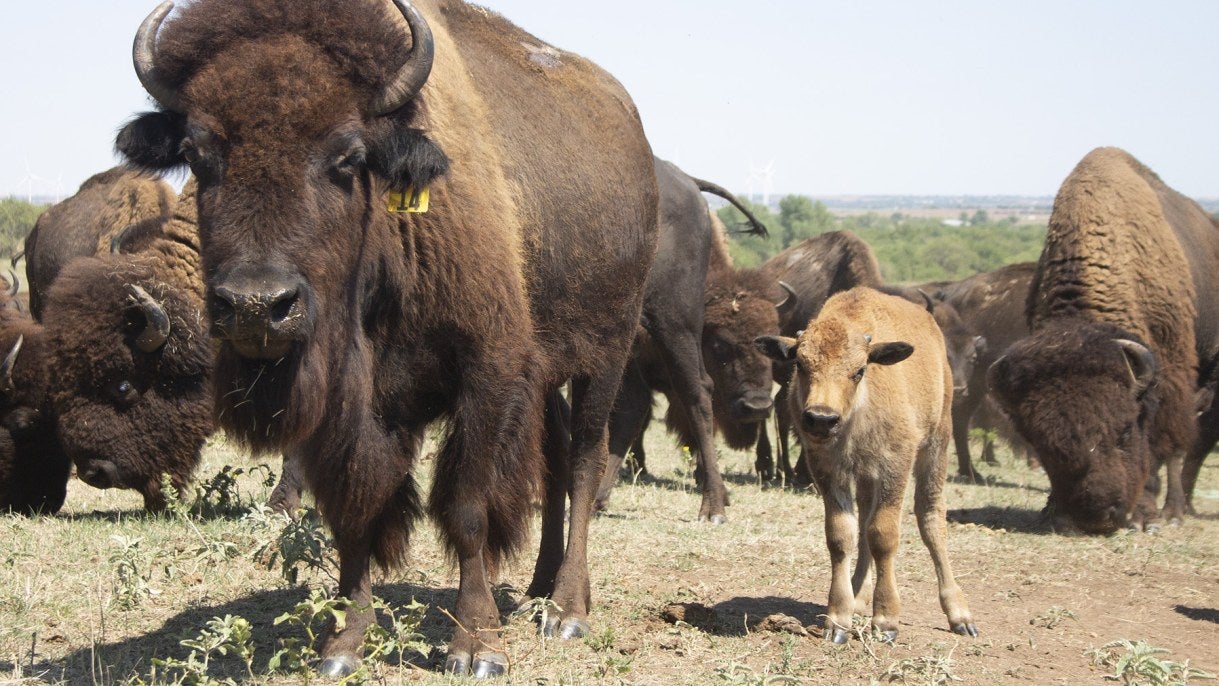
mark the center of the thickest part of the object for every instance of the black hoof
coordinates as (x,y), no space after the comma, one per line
(338,667)
(965,629)
(457,664)
(837,636)
(574,627)
(490,665)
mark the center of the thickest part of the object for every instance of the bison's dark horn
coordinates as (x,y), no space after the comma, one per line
(14,284)
(789,303)
(116,243)
(17,258)
(6,368)
(927,299)
(418,66)
(156,329)
(1141,361)
(143,54)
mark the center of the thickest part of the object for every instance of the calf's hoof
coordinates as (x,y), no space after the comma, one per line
(338,667)
(888,636)
(837,636)
(965,629)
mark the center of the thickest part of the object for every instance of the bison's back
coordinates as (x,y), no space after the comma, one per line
(819,267)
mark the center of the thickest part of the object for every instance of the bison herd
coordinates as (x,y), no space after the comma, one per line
(419,213)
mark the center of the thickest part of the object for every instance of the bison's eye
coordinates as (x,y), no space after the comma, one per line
(202,164)
(858,374)
(801,366)
(346,165)
(123,392)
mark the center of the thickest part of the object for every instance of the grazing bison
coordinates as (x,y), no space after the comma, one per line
(84,224)
(700,316)
(403,222)
(124,344)
(1122,307)
(33,467)
(871,398)
(815,269)
(990,304)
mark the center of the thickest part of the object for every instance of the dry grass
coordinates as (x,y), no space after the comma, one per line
(677,602)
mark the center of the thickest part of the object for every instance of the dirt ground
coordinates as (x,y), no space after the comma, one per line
(676,601)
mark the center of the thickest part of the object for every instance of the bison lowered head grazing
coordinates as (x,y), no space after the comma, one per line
(349,320)
(1098,460)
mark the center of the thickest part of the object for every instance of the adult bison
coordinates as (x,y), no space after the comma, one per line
(700,316)
(990,304)
(350,319)
(125,351)
(871,396)
(1121,308)
(814,269)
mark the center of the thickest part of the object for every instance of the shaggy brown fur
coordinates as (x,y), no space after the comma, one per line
(992,305)
(1128,256)
(526,272)
(83,224)
(873,394)
(33,467)
(815,268)
(700,317)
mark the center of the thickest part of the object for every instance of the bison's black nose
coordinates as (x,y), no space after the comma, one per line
(260,309)
(752,408)
(820,421)
(99,473)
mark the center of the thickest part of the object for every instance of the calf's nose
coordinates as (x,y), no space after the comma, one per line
(820,421)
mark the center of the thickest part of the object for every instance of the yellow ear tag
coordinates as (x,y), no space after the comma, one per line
(409,201)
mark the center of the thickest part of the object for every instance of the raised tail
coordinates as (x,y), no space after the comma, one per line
(759,229)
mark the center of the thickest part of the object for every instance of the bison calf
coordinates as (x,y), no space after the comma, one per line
(871,399)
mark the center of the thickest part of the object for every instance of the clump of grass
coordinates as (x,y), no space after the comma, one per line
(1053,617)
(1137,662)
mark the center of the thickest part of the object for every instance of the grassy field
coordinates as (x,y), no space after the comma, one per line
(104,594)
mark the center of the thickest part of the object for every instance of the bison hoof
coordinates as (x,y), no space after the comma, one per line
(574,627)
(339,667)
(717,519)
(457,664)
(1152,528)
(838,636)
(887,636)
(965,629)
(490,665)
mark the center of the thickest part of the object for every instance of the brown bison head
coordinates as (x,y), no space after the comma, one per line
(832,357)
(128,364)
(294,135)
(1084,395)
(739,308)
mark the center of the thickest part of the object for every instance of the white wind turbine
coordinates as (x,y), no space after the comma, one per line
(764,177)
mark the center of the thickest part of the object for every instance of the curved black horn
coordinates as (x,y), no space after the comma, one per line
(17,258)
(1142,363)
(14,284)
(789,303)
(144,54)
(418,66)
(927,299)
(6,368)
(156,329)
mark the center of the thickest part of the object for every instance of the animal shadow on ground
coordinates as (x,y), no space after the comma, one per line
(740,615)
(1015,519)
(993,482)
(1201,614)
(108,662)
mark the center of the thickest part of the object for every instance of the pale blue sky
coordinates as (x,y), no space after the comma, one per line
(902,97)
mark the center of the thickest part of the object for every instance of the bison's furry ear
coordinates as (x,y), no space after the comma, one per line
(405,157)
(153,141)
(778,348)
(889,353)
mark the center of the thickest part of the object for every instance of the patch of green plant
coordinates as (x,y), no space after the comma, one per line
(1053,617)
(743,675)
(928,669)
(295,544)
(132,573)
(220,495)
(402,635)
(1137,662)
(311,614)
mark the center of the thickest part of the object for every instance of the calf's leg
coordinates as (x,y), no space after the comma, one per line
(841,530)
(929,472)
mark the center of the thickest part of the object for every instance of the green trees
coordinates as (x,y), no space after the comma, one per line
(17,217)
(909,249)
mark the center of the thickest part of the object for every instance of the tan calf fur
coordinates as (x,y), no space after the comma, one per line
(871,401)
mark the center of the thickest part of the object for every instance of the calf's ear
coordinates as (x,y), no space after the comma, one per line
(889,353)
(153,141)
(778,348)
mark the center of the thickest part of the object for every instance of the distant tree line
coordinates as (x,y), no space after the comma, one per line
(909,249)
(17,217)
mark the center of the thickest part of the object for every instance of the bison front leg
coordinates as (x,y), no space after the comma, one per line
(475,648)
(841,531)
(342,647)
(883,531)
(630,416)
(286,497)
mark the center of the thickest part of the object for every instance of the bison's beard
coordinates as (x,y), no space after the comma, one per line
(739,435)
(268,405)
